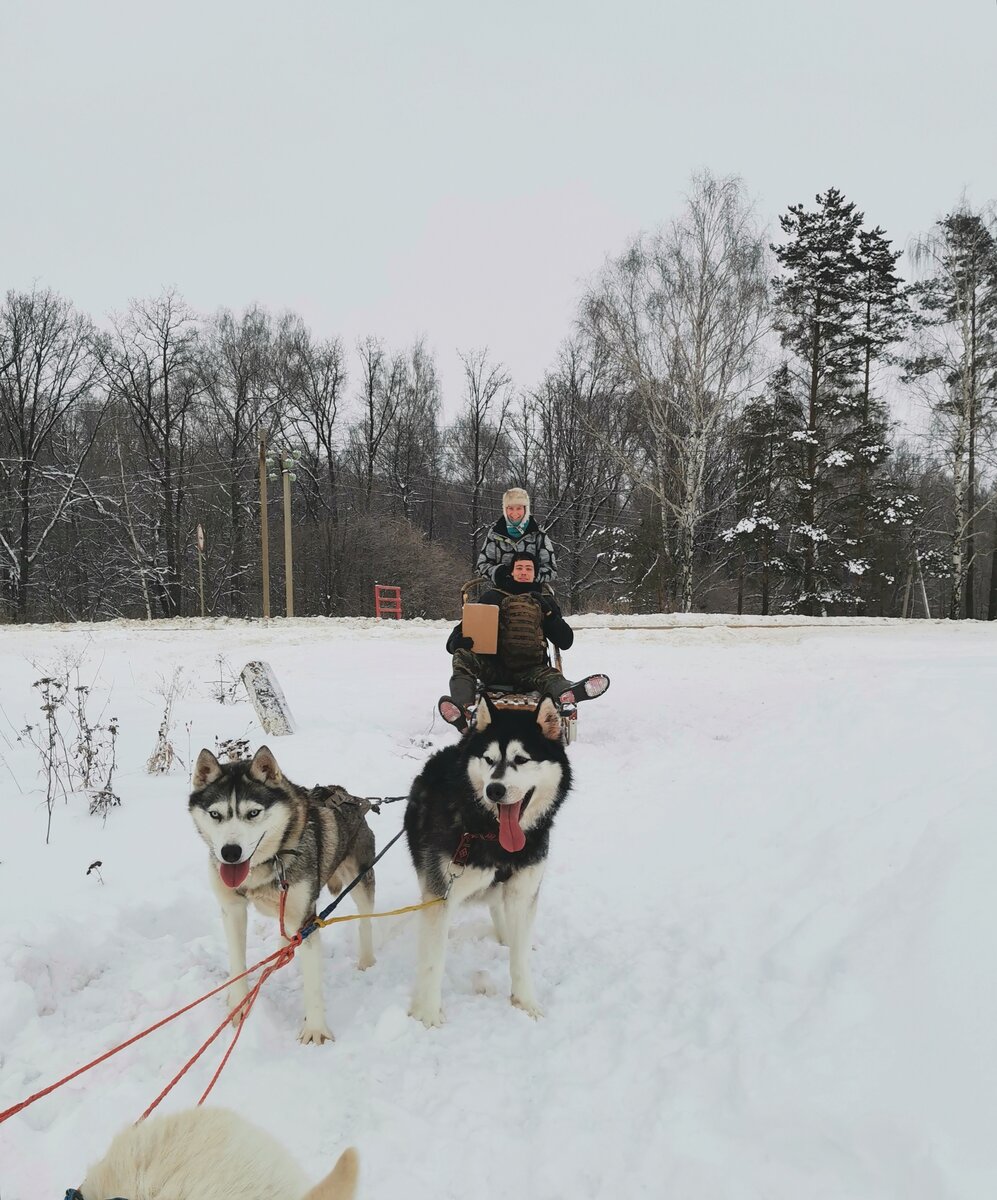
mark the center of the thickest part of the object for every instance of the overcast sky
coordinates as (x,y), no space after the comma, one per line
(450,168)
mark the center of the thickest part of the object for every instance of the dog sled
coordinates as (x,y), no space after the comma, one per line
(505,697)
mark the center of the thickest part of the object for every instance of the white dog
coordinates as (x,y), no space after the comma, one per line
(208,1154)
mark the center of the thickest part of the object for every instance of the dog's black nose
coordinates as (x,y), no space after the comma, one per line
(231,854)
(495,791)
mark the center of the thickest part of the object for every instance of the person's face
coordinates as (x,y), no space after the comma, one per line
(522,571)
(515,513)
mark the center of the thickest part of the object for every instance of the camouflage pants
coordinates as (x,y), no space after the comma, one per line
(469,667)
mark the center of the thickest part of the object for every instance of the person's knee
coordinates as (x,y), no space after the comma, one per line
(464,663)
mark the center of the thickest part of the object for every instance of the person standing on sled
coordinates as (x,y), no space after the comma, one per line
(516,532)
(528,620)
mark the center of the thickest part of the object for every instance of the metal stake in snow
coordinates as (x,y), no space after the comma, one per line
(268,699)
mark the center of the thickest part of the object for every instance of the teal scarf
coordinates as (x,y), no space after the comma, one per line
(516,531)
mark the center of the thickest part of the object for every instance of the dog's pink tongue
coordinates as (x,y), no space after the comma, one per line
(233,873)
(511,837)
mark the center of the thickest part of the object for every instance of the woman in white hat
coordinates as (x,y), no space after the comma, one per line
(516,532)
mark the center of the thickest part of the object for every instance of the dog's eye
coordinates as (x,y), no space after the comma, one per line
(491,761)
(253,814)
(520,760)
(215,816)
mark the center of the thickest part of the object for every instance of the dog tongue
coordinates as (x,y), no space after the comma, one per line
(511,837)
(233,873)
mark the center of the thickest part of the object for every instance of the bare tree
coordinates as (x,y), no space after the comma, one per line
(683,313)
(524,440)
(411,444)
(314,379)
(584,436)
(48,368)
(236,366)
(476,435)
(381,383)
(151,361)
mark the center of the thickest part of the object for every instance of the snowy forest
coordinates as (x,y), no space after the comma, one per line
(798,420)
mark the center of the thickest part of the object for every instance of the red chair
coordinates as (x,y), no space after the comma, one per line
(387,601)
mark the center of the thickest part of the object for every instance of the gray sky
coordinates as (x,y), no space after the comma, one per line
(448,168)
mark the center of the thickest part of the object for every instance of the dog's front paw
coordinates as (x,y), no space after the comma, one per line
(431,1015)
(315,1035)
(234,998)
(530,1007)
(365,961)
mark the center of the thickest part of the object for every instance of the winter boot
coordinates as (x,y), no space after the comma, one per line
(585,689)
(452,713)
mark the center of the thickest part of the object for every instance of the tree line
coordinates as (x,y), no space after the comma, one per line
(727,426)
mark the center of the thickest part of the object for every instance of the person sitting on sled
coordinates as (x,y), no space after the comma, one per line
(528,620)
(516,532)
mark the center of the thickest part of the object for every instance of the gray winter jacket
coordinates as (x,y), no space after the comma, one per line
(499,548)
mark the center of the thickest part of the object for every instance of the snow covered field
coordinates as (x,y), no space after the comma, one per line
(764,944)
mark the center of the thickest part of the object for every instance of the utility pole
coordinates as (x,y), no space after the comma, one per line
(264,531)
(200,565)
(284,461)
(288,563)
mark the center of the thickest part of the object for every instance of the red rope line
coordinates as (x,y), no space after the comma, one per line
(284,954)
(248,1002)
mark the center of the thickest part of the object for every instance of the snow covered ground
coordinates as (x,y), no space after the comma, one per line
(764,944)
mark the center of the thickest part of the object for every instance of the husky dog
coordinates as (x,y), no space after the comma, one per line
(501,785)
(207,1154)
(263,829)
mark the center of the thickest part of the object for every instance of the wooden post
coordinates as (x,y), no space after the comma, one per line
(268,699)
(200,565)
(288,566)
(264,531)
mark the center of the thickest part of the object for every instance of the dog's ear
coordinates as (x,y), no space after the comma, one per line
(484,714)
(206,770)
(341,1183)
(548,718)
(264,766)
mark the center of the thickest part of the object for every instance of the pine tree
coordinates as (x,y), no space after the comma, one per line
(884,318)
(840,305)
(956,357)
(764,451)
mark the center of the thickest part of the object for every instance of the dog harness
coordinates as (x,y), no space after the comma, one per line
(76,1194)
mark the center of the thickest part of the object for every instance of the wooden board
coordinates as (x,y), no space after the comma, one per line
(480,621)
(268,700)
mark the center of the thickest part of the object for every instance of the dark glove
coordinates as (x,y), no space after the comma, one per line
(464,643)
(547,605)
(503,575)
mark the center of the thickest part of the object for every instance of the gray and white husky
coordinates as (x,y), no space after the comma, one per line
(501,786)
(261,829)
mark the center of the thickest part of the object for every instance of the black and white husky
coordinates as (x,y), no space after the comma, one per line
(492,797)
(262,831)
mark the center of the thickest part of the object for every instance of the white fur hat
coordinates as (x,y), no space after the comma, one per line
(516,496)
